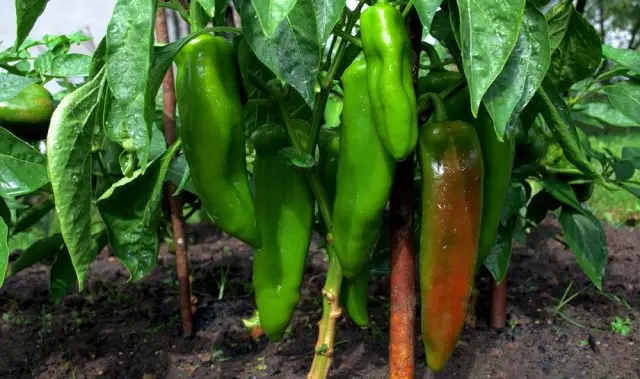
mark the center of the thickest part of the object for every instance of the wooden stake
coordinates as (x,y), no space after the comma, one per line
(175,203)
(402,281)
(498,312)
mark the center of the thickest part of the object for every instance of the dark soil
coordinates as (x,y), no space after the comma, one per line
(116,329)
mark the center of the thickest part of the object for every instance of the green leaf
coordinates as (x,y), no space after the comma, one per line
(23,169)
(131,211)
(178,173)
(426,10)
(27,13)
(585,236)
(630,152)
(11,85)
(578,55)
(606,113)
(129,52)
(209,7)
(625,97)
(294,51)
(558,19)
(5,212)
(488,33)
(69,145)
(69,65)
(39,251)
(32,215)
(498,260)
(298,158)
(521,76)
(4,251)
(562,191)
(632,189)
(624,57)
(515,199)
(99,58)
(624,170)
(271,13)
(62,276)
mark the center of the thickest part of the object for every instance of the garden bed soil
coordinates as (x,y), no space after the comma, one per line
(116,329)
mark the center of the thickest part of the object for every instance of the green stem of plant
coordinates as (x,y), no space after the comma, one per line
(434,58)
(570,171)
(346,36)
(407,9)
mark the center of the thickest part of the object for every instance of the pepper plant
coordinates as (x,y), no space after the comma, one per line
(317,112)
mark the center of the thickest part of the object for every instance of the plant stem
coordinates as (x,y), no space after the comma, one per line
(331,311)
(346,36)
(175,202)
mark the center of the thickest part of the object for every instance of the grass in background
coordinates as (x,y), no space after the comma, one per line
(617,207)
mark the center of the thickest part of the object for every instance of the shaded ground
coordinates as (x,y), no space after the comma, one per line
(120,330)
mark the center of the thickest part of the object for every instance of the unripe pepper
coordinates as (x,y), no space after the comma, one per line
(27,114)
(212,132)
(387,49)
(365,174)
(452,174)
(354,293)
(497,157)
(284,208)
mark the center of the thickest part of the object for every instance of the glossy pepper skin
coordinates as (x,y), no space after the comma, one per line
(452,173)
(354,293)
(27,114)
(212,132)
(284,208)
(365,175)
(387,49)
(497,157)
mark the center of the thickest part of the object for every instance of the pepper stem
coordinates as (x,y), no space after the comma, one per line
(439,112)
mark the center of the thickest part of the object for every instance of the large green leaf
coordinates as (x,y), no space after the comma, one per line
(294,51)
(562,191)
(69,144)
(578,54)
(62,275)
(4,250)
(131,211)
(426,10)
(40,250)
(271,13)
(488,33)
(11,85)
(527,65)
(27,13)
(23,169)
(129,52)
(498,260)
(32,215)
(558,19)
(624,57)
(607,114)
(625,97)
(585,236)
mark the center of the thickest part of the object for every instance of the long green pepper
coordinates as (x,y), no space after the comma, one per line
(365,175)
(284,209)
(212,132)
(387,49)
